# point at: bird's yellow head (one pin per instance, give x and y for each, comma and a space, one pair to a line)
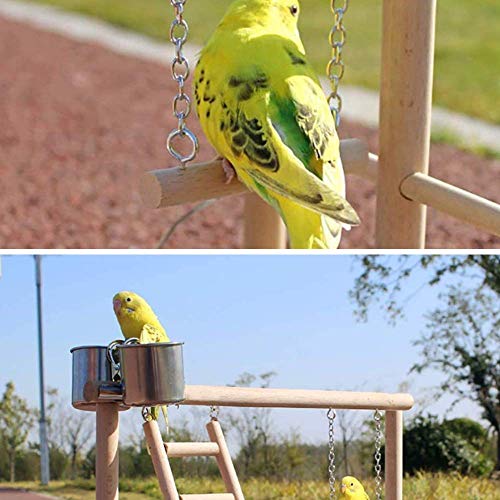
274, 14
352, 488
132, 312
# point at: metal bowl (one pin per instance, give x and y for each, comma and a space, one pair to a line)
91, 369
153, 374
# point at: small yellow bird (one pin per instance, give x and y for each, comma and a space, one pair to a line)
262, 107
351, 488
137, 320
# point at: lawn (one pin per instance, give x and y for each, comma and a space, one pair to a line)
467, 76
421, 487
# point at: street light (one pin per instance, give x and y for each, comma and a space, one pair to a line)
44, 447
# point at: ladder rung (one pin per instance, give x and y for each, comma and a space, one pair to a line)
208, 496
192, 449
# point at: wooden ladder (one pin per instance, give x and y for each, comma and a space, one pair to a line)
216, 447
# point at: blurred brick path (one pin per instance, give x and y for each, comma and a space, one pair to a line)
78, 124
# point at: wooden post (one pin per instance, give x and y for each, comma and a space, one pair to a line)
405, 118
224, 460
160, 460
263, 228
394, 455
107, 434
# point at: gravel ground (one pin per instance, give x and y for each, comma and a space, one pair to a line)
79, 124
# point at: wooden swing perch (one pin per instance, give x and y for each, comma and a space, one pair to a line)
404, 188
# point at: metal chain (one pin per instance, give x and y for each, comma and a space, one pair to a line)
378, 455
331, 415
179, 31
214, 412
335, 68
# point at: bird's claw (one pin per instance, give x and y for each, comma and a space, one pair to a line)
229, 171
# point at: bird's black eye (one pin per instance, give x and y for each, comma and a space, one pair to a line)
352, 484
294, 10
129, 299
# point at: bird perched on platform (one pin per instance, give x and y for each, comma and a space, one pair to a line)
261, 106
138, 320
351, 488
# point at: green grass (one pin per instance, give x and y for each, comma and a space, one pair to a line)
467, 78
420, 487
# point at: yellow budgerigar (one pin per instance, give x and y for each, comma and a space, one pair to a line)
351, 488
137, 320
261, 106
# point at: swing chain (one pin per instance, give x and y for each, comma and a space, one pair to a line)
378, 454
335, 68
331, 415
179, 31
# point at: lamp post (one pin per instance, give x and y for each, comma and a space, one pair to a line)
44, 447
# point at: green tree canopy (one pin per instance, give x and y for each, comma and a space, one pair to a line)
462, 334
16, 418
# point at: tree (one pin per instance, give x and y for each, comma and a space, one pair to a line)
16, 419
382, 277
462, 336
69, 432
253, 428
433, 446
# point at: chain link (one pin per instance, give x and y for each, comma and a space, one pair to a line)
335, 68
378, 454
214, 412
179, 31
331, 415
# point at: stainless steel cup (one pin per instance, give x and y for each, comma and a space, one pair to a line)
90, 367
153, 374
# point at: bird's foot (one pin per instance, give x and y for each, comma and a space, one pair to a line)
229, 170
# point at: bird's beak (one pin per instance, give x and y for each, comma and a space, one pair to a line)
117, 305
343, 488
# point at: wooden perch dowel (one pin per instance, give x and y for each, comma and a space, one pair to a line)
204, 181
208, 496
458, 203
107, 434
224, 461
294, 398
160, 460
175, 450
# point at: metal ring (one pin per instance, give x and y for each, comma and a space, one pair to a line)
178, 99
132, 341
184, 132
331, 71
110, 351
185, 31
183, 63
146, 414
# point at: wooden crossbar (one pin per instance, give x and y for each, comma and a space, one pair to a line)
175, 186
294, 398
209, 496
181, 450
205, 181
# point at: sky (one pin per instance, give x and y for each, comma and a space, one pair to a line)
235, 313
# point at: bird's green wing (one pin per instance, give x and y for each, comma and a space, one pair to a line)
274, 138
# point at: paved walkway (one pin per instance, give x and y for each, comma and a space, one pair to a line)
360, 105
8, 494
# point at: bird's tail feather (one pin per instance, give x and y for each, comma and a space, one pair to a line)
155, 413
